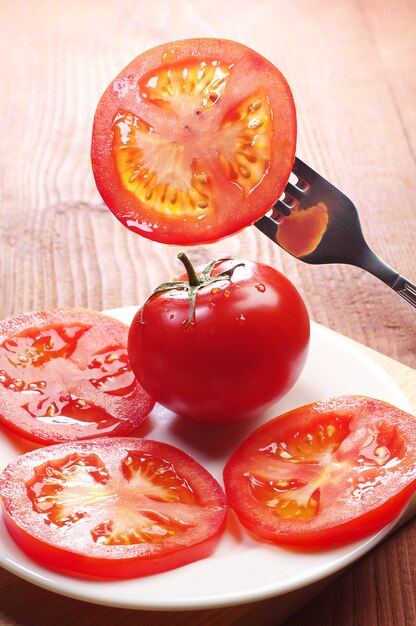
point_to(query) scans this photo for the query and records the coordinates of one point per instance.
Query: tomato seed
(254, 106)
(330, 430)
(244, 172)
(256, 123)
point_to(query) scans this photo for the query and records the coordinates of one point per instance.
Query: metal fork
(336, 236)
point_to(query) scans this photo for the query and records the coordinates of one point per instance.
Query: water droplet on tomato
(215, 290)
(227, 293)
(260, 287)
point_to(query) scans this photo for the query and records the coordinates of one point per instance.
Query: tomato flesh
(324, 474)
(194, 140)
(112, 508)
(65, 374)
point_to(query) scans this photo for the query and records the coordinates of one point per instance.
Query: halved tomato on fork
(194, 140)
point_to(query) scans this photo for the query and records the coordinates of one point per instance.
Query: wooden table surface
(352, 68)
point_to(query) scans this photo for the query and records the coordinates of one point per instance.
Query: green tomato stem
(193, 285)
(192, 275)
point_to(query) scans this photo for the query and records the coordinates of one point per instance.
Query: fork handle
(372, 263)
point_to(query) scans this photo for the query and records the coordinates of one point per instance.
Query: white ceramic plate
(241, 569)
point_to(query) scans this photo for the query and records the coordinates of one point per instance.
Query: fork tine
(303, 171)
(295, 192)
(304, 174)
(318, 189)
(316, 182)
(283, 208)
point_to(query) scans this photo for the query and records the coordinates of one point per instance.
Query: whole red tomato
(223, 345)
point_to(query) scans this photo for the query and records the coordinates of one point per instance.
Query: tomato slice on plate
(324, 474)
(194, 140)
(65, 375)
(112, 508)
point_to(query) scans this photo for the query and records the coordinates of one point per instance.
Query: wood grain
(351, 65)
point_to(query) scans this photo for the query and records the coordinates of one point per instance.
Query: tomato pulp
(238, 348)
(194, 140)
(65, 375)
(112, 508)
(324, 474)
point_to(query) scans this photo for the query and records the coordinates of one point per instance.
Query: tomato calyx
(194, 283)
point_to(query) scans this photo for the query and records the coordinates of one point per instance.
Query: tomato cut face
(112, 508)
(324, 474)
(194, 140)
(65, 374)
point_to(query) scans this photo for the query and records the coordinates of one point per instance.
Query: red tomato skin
(128, 411)
(78, 560)
(237, 211)
(335, 536)
(245, 348)
(122, 568)
(328, 533)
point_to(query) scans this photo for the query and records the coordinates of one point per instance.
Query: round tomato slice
(194, 140)
(65, 375)
(324, 474)
(112, 508)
